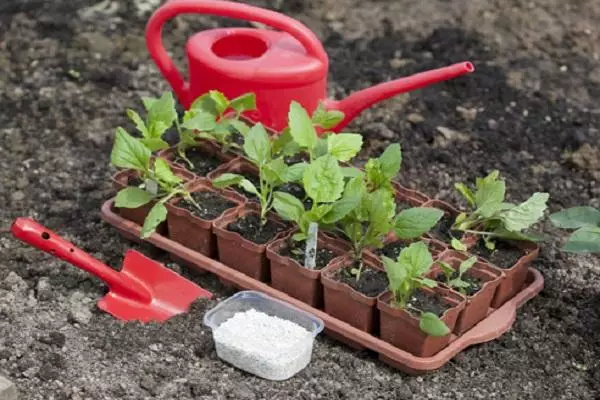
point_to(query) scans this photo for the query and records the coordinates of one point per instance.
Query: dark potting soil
(402, 205)
(211, 205)
(203, 163)
(475, 284)
(296, 158)
(298, 192)
(250, 228)
(371, 283)
(255, 181)
(442, 229)
(391, 250)
(504, 255)
(428, 303)
(297, 250)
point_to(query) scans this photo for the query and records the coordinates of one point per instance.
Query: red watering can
(278, 66)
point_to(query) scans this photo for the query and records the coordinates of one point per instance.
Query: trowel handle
(223, 9)
(30, 232)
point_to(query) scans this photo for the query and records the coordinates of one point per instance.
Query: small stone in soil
(475, 284)
(211, 205)
(371, 283)
(428, 303)
(504, 256)
(203, 163)
(297, 251)
(250, 228)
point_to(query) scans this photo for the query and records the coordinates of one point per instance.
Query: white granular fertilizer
(266, 346)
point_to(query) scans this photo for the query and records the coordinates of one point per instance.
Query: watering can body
(277, 65)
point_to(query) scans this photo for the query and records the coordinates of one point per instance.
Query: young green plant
(161, 115)
(586, 223)
(492, 218)
(159, 184)
(454, 278)
(273, 172)
(406, 275)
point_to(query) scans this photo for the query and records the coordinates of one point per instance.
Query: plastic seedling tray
(262, 335)
(497, 322)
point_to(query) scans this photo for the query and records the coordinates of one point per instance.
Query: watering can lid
(257, 55)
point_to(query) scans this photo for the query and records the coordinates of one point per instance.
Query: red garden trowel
(143, 290)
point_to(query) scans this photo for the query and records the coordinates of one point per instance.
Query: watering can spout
(352, 105)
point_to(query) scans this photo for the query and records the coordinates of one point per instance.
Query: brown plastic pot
(206, 146)
(292, 278)
(468, 240)
(401, 328)
(240, 253)
(343, 302)
(414, 197)
(194, 232)
(478, 305)
(495, 325)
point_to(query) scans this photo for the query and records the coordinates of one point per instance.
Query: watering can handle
(223, 9)
(29, 231)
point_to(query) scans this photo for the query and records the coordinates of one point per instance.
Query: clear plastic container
(284, 356)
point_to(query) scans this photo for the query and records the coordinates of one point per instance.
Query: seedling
(159, 184)
(209, 118)
(586, 223)
(454, 278)
(406, 275)
(161, 115)
(301, 135)
(375, 216)
(273, 172)
(492, 218)
(323, 182)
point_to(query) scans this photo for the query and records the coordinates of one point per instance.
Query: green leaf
(584, 240)
(248, 186)
(244, 103)
(317, 213)
(446, 268)
(282, 142)
(466, 265)
(301, 127)
(155, 144)
(148, 102)
(163, 172)
(287, 206)
(390, 160)
(161, 115)
(326, 119)
(129, 152)
(489, 197)
(201, 120)
(459, 284)
(576, 217)
(458, 245)
(226, 179)
(466, 193)
(323, 180)
(432, 325)
(525, 214)
(157, 214)
(239, 126)
(413, 222)
(351, 172)
(341, 208)
(257, 145)
(294, 172)
(139, 122)
(396, 273)
(220, 101)
(430, 283)
(344, 146)
(417, 258)
(132, 197)
(274, 171)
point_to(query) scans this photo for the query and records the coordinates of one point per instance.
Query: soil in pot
(504, 256)
(203, 162)
(211, 205)
(249, 227)
(442, 230)
(296, 250)
(296, 158)
(371, 283)
(428, 303)
(475, 284)
(392, 250)
(255, 181)
(298, 192)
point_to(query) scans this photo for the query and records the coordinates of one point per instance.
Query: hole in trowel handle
(46, 236)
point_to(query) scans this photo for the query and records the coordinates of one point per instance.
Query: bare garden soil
(68, 71)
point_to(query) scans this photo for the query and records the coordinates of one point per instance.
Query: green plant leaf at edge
(584, 240)
(413, 222)
(576, 217)
(132, 197)
(129, 152)
(432, 325)
(157, 214)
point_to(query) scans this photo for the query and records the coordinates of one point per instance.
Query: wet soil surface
(297, 250)
(504, 255)
(70, 68)
(202, 162)
(371, 283)
(475, 284)
(250, 228)
(211, 205)
(428, 303)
